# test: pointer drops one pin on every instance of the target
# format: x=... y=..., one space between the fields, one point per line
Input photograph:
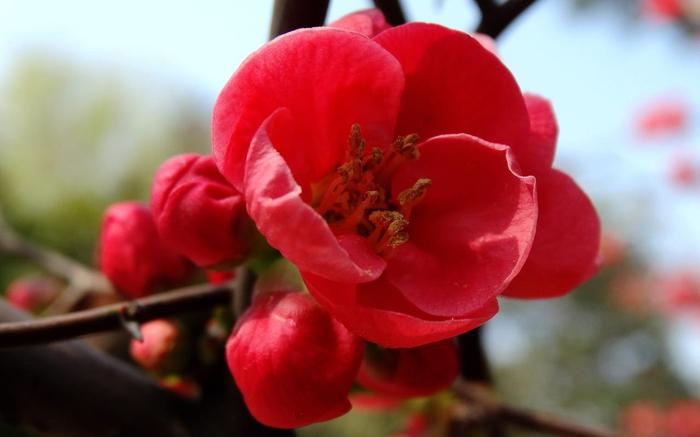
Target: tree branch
x=288 y=15
x=392 y=10
x=493 y=410
x=80 y=278
x=496 y=18
x=112 y=317
x=71 y=389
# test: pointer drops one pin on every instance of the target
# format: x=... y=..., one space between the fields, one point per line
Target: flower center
x=356 y=197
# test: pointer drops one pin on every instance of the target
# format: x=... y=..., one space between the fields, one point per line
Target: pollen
x=357 y=198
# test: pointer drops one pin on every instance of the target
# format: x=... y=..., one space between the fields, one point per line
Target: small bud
x=132 y=255
x=419 y=371
x=292 y=361
x=162 y=348
x=32 y=293
x=198 y=213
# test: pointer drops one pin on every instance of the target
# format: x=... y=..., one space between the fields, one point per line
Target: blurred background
x=95 y=95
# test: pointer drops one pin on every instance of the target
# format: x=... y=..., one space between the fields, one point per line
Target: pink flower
x=662 y=117
x=159 y=349
x=32 y=293
x=293 y=363
x=132 y=255
x=420 y=371
x=406 y=176
x=198 y=213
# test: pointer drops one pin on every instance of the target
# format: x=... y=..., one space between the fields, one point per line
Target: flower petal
x=565 y=251
x=543 y=136
x=471 y=233
x=454 y=85
x=378 y=312
x=329 y=79
x=368 y=22
x=274 y=202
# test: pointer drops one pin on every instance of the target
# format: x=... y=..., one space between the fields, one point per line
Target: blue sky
x=596 y=69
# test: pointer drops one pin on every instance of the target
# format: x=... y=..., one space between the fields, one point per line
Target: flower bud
x=132 y=255
x=162 y=348
x=198 y=213
x=293 y=363
x=32 y=293
x=418 y=371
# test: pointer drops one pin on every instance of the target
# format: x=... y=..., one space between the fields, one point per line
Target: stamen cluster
x=357 y=199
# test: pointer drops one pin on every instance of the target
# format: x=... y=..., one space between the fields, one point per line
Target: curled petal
x=198 y=213
x=290 y=225
x=293 y=363
x=565 y=251
x=378 y=312
x=471 y=233
x=328 y=79
x=543 y=136
x=368 y=22
x=455 y=85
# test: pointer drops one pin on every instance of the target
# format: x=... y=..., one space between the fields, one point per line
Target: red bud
x=132 y=255
x=31 y=293
x=198 y=213
x=293 y=363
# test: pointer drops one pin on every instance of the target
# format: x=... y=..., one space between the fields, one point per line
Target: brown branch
x=392 y=10
x=494 y=410
x=288 y=15
x=71 y=389
x=80 y=278
x=113 y=317
x=496 y=18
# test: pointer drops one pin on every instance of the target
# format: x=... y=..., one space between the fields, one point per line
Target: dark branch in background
x=80 y=279
x=71 y=389
x=288 y=15
x=112 y=317
x=392 y=10
x=485 y=407
x=495 y=18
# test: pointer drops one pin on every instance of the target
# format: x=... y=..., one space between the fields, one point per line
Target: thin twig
x=494 y=410
x=392 y=10
x=113 y=317
x=80 y=278
x=496 y=18
x=288 y=15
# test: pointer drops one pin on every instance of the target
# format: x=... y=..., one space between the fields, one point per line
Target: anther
x=409 y=197
x=356 y=142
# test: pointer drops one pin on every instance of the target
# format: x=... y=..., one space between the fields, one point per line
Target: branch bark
x=288 y=15
x=113 y=317
x=80 y=278
x=392 y=10
x=72 y=389
x=495 y=411
x=496 y=18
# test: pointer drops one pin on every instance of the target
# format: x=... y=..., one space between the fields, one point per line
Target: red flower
x=404 y=241
x=32 y=293
x=198 y=213
x=293 y=363
x=419 y=371
x=132 y=255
